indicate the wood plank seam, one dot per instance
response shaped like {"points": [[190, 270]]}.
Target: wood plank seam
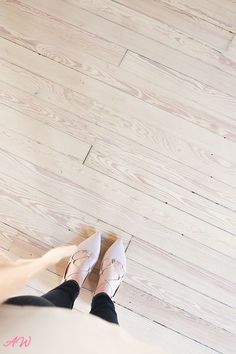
{"points": [[123, 57], [83, 162], [127, 247]]}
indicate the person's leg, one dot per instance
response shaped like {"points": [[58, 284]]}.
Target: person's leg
{"points": [[28, 300], [111, 274], [103, 307], [80, 265], [64, 295]]}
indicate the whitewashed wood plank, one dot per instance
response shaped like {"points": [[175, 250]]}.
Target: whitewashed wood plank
{"points": [[203, 151], [148, 331], [183, 89], [207, 304], [44, 281], [129, 83], [180, 296], [88, 88], [73, 125], [221, 13], [43, 217], [182, 21], [7, 235], [38, 31], [157, 51], [113, 192], [231, 50], [177, 319], [119, 164], [193, 252], [168, 91], [73, 12], [155, 333], [58, 142], [99, 195], [195, 278], [28, 217], [148, 27], [27, 290], [144, 329], [112, 75]]}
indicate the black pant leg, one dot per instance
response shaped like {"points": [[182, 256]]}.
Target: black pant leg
{"points": [[103, 307], [28, 300], [63, 295]]}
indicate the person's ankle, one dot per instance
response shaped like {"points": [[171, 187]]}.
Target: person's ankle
{"points": [[76, 279], [102, 291]]}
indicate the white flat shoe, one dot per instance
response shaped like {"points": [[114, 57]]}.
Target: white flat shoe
{"points": [[113, 269], [84, 259]]}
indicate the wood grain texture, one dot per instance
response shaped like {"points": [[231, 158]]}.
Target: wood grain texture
{"points": [[139, 23], [45, 135], [125, 168], [157, 51], [149, 331], [110, 192], [218, 288], [159, 87], [221, 13], [158, 335], [178, 320], [73, 125], [7, 235], [231, 50], [181, 20], [118, 116], [39, 215], [27, 290], [45, 30], [73, 12], [158, 235], [191, 301], [48, 140], [132, 118], [187, 91]]}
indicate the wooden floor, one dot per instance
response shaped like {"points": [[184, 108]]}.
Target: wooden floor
{"points": [[120, 116]]}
